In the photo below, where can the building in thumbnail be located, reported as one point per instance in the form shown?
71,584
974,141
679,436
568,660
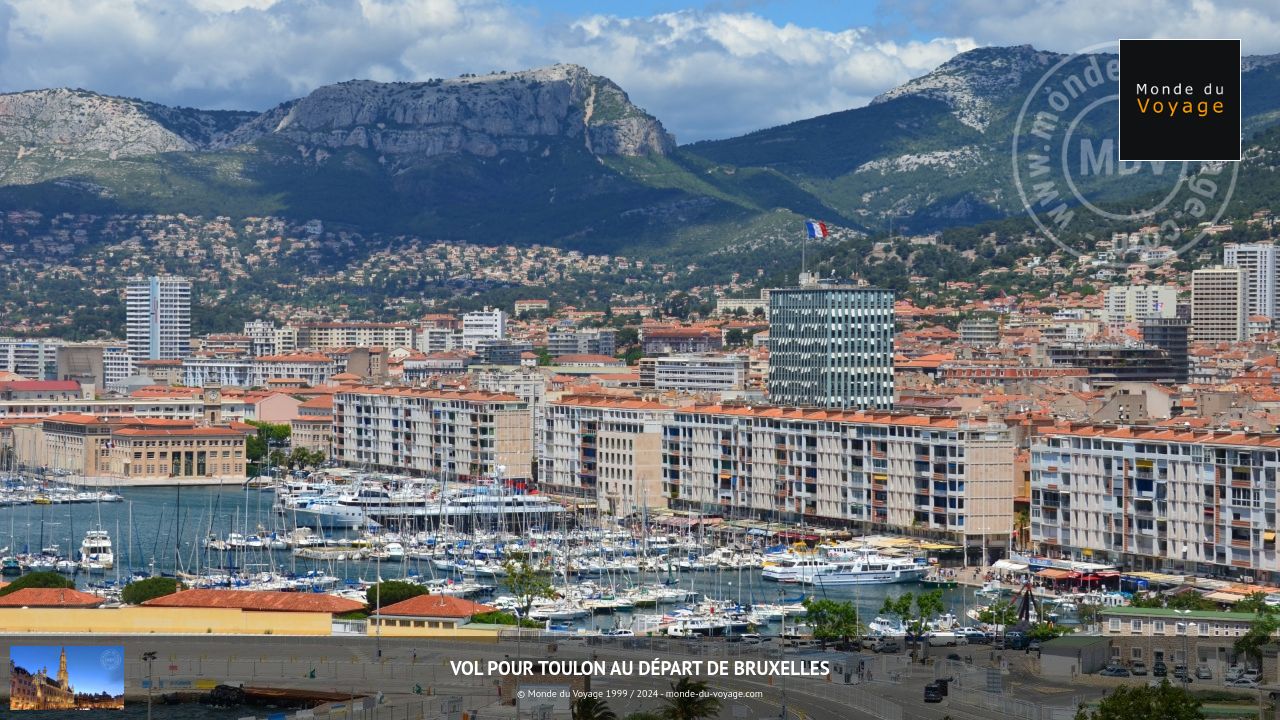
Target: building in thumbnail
159,318
1219,304
831,346
40,691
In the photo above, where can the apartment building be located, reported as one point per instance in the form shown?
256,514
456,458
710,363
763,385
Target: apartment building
676,340
312,428
1174,499
313,369
1259,262
486,324
354,334
1126,304
1219,304
707,372
474,436
591,341
33,359
604,451
159,318
878,471
980,331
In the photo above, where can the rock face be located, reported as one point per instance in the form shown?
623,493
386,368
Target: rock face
405,122
84,122
973,83
481,115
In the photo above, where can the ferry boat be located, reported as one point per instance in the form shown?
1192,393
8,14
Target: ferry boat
95,551
869,568
372,506
791,569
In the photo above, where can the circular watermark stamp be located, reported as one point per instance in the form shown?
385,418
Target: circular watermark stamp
111,658
1067,167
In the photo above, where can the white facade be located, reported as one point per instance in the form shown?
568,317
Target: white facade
487,324
695,372
33,359
1259,261
436,339
1125,304
159,318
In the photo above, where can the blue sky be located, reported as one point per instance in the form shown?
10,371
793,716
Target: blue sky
707,69
85,665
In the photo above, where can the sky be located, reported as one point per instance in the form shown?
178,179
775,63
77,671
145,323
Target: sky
706,68
88,670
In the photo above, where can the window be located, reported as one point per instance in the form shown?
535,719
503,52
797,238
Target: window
1159,627
1136,653
1135,625
1114,625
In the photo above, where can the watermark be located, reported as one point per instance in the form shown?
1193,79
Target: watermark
1068,174
112,658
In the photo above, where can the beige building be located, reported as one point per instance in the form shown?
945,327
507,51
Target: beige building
1219,304
457,435
138,451
312,427
606,451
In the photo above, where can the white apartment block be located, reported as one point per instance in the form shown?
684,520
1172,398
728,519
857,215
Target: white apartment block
438,339
530,386
703,372
312,369
877,470
1259,261
198,371
605,451
33,359
486,324
1127,304
1219,304
159,318
470,436
1179,500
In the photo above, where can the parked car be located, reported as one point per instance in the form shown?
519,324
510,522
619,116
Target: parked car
1203,672
1234,672
1241,682
974,636
1034,646
1252,675
946,639
1113,671
1137,667
1159,669
1180,672
932,693
887,645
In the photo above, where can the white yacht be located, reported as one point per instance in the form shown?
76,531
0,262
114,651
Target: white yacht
868,568
791,569
95,551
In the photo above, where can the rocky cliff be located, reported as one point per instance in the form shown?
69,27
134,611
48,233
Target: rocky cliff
478,115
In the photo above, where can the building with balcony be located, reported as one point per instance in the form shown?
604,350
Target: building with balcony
1166,499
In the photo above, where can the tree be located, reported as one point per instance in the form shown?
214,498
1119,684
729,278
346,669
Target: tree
927,604
1190,601
390,592
38,580
526,581
140,591
689,700
1264,626
831,620
1255,603
591,708
273,433
735,337
1167,702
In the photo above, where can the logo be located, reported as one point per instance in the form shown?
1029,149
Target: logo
1080,195
111,658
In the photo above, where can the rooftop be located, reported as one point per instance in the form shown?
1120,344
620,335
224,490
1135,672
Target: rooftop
257,600
49,597
436,606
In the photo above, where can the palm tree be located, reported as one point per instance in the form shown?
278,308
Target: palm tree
591,708
689,700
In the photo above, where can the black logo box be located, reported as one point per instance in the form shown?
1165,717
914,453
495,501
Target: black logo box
1187,69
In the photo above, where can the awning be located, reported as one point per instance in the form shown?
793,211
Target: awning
1054,574
757,531
1008,565
1268,535
1224,597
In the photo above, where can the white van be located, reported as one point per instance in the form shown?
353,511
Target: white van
947,639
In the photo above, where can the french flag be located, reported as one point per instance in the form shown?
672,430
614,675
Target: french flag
816,229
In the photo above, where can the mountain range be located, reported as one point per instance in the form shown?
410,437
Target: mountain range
555,156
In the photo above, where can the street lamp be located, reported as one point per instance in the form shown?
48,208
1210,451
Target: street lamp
1186,659
149,658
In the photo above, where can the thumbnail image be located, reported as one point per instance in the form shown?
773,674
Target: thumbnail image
72,677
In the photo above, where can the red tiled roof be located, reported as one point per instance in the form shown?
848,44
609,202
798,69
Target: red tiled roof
40,385
49,597
437,606
257,600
